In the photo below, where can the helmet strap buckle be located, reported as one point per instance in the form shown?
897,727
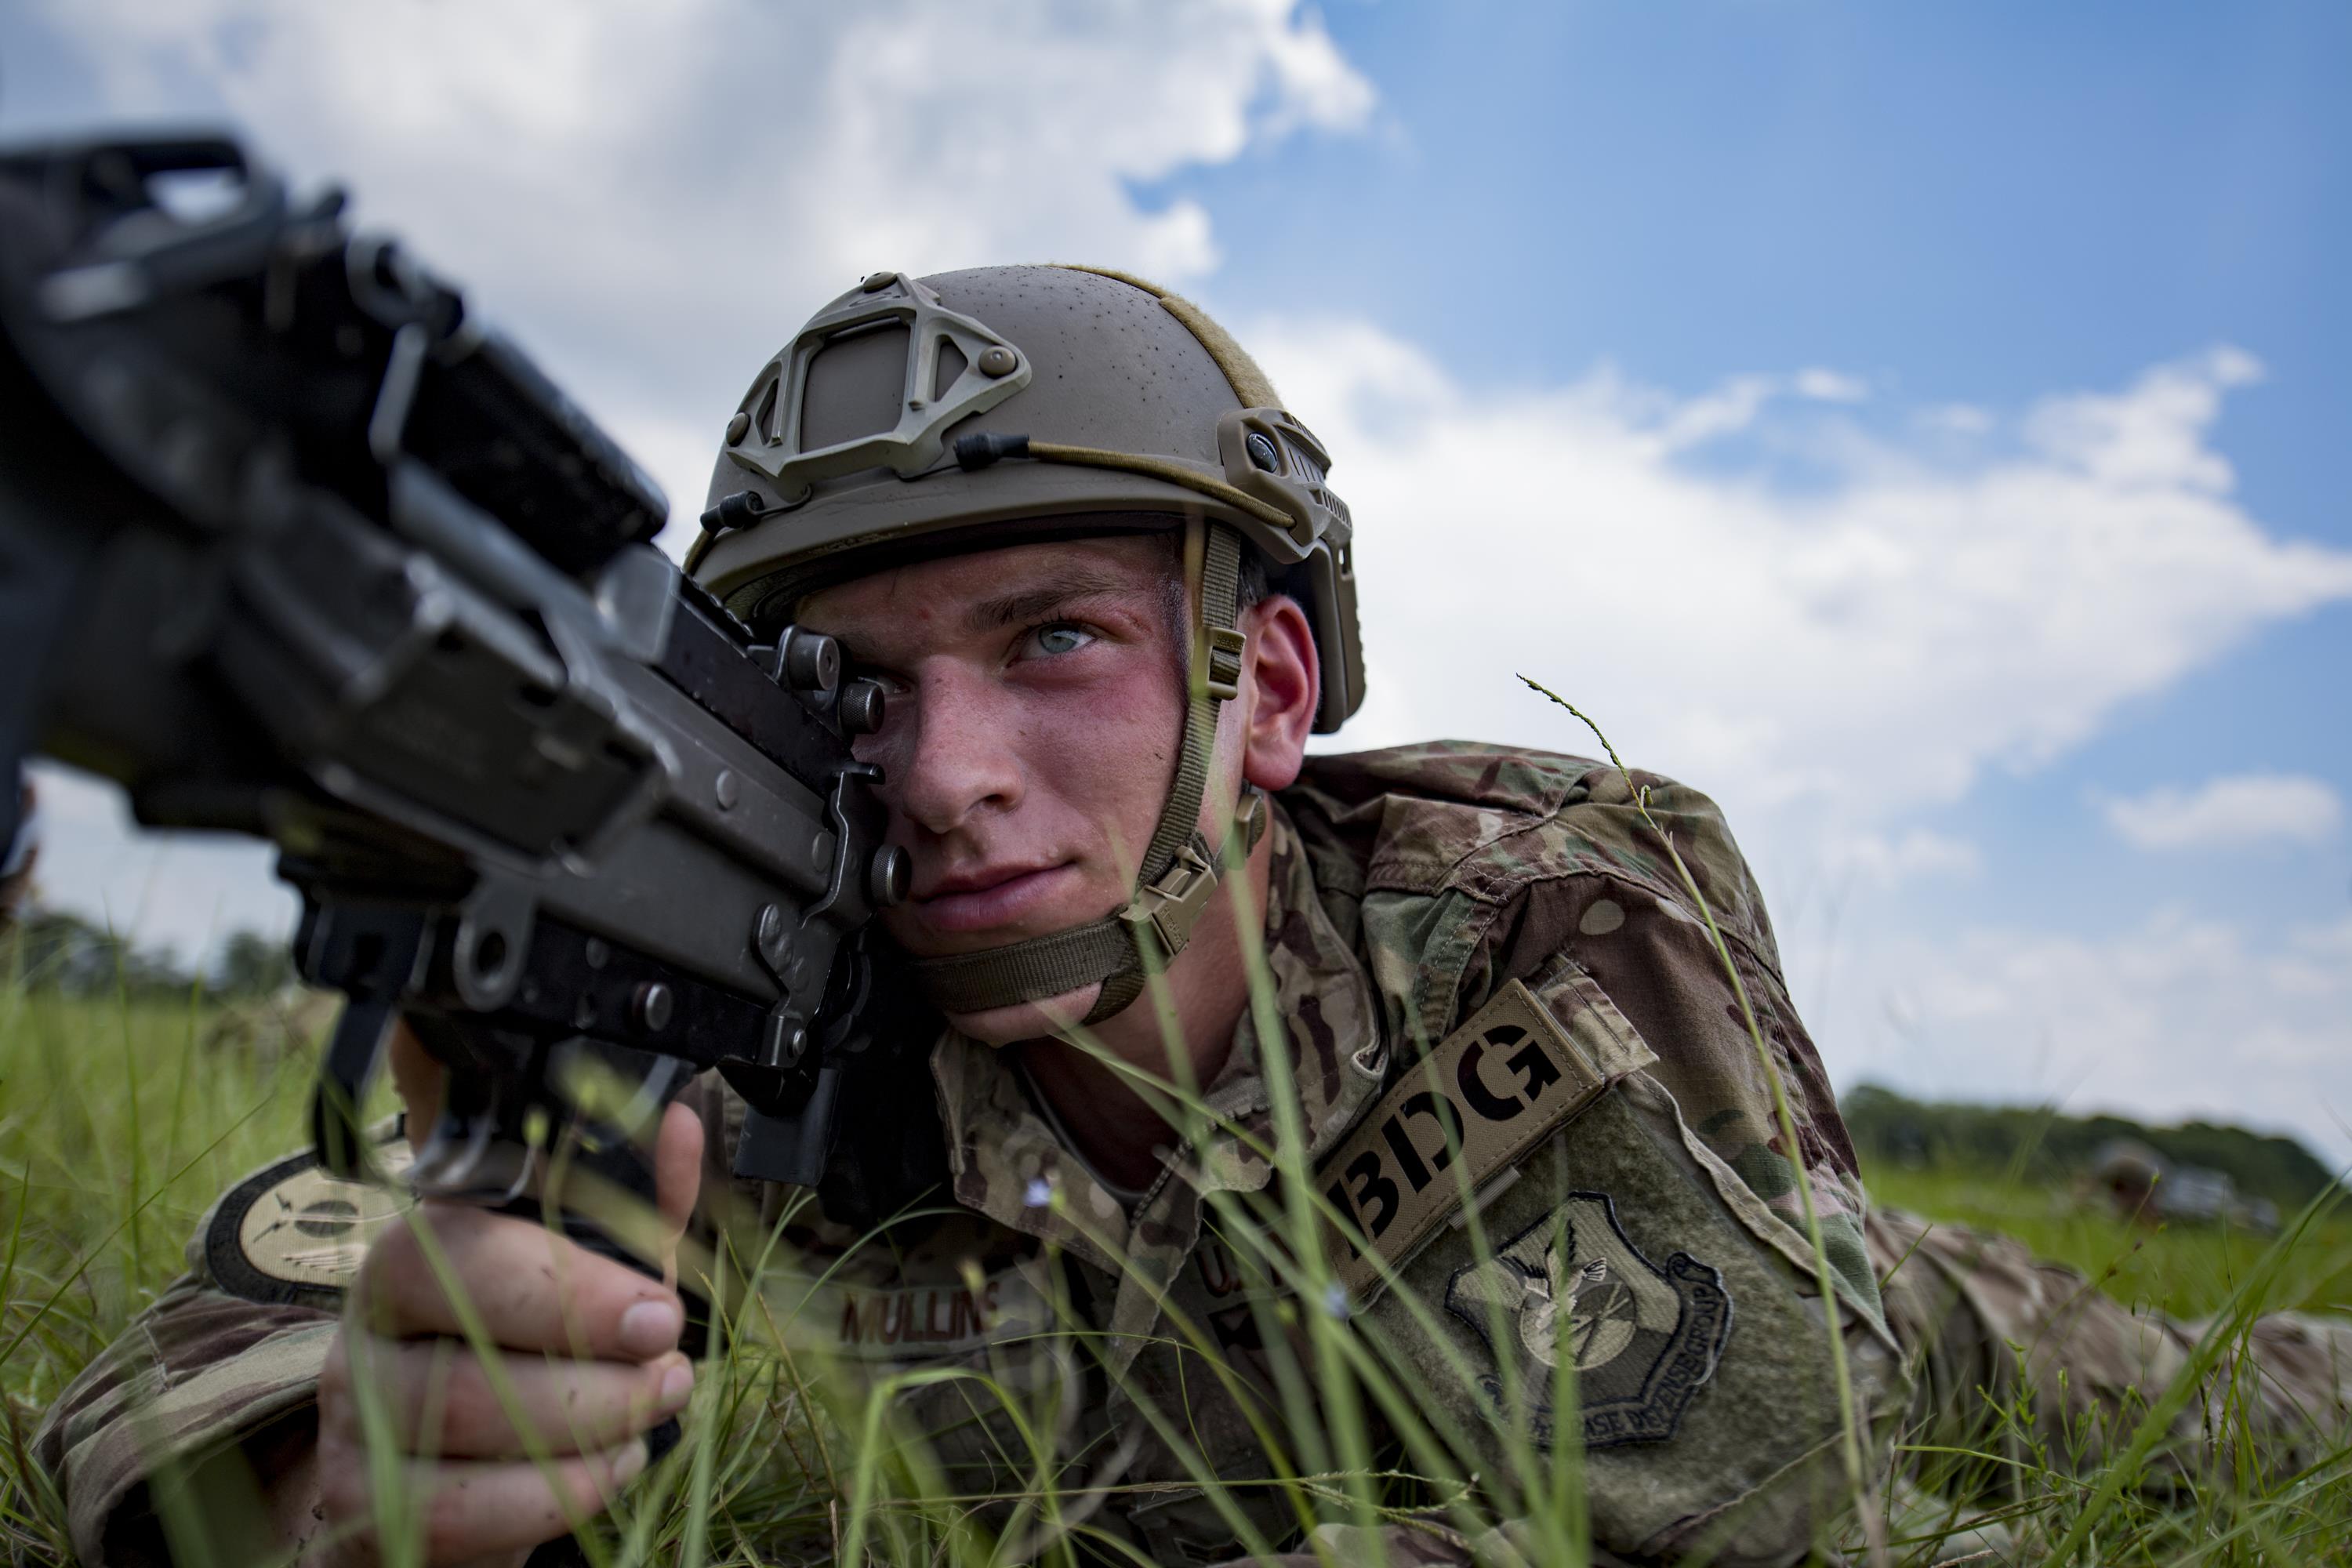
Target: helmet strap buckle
1223,665
1171,906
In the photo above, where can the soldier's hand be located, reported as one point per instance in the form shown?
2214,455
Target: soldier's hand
591,1362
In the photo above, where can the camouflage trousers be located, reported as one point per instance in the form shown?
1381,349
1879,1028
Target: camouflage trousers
2029,1364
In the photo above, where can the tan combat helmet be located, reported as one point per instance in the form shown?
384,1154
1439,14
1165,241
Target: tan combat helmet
917,418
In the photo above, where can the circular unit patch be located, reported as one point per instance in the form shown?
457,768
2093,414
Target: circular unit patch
293,1235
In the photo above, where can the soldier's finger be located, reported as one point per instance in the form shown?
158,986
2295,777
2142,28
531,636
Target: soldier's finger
533,1289
468,1510
419,1078
443,1401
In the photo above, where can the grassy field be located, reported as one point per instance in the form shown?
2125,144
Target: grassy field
120,1124
2185,1272
121,1121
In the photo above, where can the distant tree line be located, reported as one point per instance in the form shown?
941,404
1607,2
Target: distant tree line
51,949
2041,1145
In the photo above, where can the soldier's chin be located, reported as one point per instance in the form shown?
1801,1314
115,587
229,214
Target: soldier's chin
1028,1020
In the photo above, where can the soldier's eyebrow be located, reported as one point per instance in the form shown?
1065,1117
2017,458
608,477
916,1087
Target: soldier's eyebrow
1041,603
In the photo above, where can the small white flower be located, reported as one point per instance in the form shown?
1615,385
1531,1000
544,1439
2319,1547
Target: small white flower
1335,1301
1038,1192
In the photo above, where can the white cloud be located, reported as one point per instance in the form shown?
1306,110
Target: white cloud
654,197
2152,435
1830,385
2228,813
1838,657
1888,860
2182,1016
1957,419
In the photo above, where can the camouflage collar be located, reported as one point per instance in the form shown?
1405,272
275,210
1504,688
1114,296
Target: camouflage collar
1008,1165
1324,999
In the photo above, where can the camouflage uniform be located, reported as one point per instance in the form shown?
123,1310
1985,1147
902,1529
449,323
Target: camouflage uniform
1412,891
2029,1363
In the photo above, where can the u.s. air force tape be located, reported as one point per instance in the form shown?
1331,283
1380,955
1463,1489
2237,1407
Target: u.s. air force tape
1486,1095
291,1234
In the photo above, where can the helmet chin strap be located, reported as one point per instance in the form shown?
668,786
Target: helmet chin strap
1181,866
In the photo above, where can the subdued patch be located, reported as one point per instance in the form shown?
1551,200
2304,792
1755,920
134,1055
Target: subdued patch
1489,1092
1645,1340
942,1317
293,1235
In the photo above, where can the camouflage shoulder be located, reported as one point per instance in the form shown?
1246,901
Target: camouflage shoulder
1608,833
1505,778
233,1347
1460,1121
1406,815
1487,822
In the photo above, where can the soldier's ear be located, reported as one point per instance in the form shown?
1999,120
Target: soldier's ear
1281,684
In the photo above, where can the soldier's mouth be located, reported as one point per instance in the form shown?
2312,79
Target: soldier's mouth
984,901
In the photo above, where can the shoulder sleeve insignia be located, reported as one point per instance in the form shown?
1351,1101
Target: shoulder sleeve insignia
1489,1092
293,1235
1645,1340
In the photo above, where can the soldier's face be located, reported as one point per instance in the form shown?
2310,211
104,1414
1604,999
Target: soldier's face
1035,710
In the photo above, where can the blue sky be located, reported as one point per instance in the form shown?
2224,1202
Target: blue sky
1920,426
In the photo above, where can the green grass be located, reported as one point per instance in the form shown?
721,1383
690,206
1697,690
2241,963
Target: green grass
121,1121
120,1124
2185,1270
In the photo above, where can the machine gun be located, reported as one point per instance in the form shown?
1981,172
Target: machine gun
291,545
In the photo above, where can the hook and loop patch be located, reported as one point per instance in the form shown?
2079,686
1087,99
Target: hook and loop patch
293,1235
1486,1095
1643,1339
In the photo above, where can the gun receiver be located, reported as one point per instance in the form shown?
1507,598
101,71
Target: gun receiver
291,545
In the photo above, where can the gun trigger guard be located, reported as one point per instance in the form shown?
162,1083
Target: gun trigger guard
371,957
346,1073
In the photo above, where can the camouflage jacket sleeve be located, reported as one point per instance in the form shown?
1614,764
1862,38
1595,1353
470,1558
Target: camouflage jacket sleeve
1664,1223
225,1366
1600,890
200,1372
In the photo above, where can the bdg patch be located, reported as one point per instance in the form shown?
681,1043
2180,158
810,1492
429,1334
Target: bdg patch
293,1235
1491,1091
1645,1340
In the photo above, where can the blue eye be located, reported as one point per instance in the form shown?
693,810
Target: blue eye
1061,639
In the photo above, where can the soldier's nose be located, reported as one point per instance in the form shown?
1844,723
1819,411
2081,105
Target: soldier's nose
956,760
